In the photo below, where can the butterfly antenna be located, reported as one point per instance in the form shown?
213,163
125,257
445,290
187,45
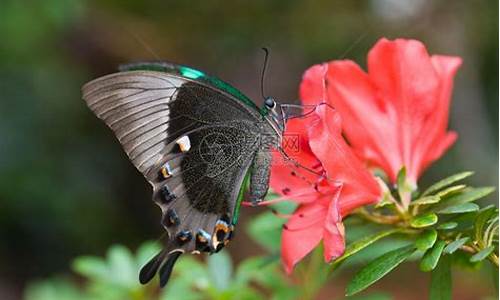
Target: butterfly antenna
264,68
287,117
145,45
354,44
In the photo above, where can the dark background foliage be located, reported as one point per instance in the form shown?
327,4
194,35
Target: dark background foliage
66,187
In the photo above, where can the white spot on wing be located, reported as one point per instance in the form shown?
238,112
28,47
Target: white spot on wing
184,143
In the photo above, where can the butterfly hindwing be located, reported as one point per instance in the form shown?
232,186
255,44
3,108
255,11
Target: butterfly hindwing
193,141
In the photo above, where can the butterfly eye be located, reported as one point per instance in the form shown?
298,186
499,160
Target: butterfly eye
270,103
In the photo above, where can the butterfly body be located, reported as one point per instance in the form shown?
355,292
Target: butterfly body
197,140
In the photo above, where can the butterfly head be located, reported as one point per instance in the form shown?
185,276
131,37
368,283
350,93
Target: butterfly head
273,113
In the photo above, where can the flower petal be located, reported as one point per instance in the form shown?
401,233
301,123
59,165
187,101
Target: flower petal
302,233
446,68
405,77
366,119
359,187
286,179
397,114
403,73
438,140
334,233
312,88
433,140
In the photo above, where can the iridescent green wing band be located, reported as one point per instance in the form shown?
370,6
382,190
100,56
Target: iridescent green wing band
192,74
241,194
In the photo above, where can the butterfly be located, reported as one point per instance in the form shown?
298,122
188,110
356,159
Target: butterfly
198,141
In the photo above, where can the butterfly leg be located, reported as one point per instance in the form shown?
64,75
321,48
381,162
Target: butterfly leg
259,176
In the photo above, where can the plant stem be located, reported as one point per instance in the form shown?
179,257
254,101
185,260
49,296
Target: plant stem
494,259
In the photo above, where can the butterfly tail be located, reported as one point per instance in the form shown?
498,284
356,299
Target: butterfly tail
167,267
149,270
162,263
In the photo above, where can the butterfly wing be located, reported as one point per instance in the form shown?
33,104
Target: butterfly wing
193,141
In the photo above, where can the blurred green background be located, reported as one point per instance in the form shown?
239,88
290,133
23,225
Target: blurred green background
67,188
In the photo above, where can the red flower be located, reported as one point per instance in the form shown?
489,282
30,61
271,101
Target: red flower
396,114
324,200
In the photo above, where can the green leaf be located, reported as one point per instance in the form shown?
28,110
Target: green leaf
284,207
190,281
365,256
385,202
180,289
426,239
53,289
451,191
446,182
426,200
374,296
94,268
220,268
468,195
265,229
122,266
431,257
251,269
424,220
462,259
359,245
465,221
266,273
440,288
447,226
482,218
404,187
378,269
459,209
482,254
453,246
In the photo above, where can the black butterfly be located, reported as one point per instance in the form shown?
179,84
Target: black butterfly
197,140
